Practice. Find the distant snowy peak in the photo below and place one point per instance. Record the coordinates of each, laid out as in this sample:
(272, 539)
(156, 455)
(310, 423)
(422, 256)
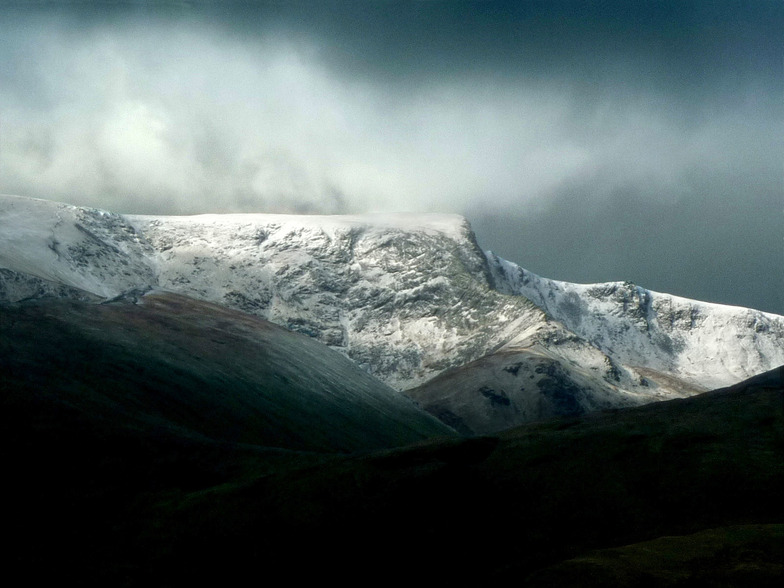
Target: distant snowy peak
(82, 248)
(702, 342)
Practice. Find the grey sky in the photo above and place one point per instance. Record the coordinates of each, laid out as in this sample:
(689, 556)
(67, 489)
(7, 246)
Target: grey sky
(586, 141)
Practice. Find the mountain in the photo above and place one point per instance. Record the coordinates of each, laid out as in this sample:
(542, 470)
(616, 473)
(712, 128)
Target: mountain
(707, 344)
(673, 345)
(158, 429)
(405, 297)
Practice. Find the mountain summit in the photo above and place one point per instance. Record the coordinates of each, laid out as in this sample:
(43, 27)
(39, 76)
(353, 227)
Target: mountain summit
(409, 298)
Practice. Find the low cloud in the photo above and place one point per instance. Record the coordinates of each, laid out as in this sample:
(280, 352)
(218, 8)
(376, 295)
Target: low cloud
(585, 149)
(191, 120)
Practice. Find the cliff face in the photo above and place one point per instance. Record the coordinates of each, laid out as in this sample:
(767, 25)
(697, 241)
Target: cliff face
(405, 297)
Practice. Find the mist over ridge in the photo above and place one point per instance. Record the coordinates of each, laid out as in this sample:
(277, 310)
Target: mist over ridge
(587, 144)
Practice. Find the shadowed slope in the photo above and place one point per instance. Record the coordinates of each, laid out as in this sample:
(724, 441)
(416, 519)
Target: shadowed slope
(521, 385)
(174, 363)
(493, 509)
(107, 410)
(738, 555)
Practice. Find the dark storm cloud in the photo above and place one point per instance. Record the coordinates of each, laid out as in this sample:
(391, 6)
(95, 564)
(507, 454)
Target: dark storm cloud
(682, 45)
(637, 139)
(726, 247)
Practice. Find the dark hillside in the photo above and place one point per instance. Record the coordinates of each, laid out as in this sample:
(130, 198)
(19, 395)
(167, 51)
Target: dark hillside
(172, 363)
(503, 508)
(100, 490)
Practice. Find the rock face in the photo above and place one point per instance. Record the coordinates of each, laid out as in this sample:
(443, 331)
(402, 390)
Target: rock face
(503, 389)
(548, 373)
(406, 297)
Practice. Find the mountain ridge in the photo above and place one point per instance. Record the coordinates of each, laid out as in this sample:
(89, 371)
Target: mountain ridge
(406, 297)
(667, 321)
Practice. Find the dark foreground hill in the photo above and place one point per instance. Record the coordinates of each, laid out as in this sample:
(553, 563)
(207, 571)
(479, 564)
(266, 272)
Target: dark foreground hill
(686, 492)
(196, 370)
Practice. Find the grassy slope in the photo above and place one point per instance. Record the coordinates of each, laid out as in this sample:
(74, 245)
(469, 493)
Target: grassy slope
(152, 506)
(208, 372)
(507, 507)
(737, 555)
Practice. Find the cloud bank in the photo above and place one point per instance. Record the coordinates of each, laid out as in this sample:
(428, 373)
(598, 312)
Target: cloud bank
(176, 116)
(540, 116)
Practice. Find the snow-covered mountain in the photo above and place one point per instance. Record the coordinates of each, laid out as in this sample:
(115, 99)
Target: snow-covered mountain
(709, 344)
(52, 248)
(406, 297)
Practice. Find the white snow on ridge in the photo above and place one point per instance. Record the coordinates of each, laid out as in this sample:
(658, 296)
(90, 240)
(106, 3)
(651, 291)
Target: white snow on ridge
(452, 226)
(711, 344)
(84, 248)
(400, 294)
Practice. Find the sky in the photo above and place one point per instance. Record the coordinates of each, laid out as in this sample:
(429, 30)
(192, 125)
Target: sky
(585, 141)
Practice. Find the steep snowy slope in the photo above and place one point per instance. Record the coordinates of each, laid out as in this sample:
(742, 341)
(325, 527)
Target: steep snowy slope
(706, 344)
(404, 296)
(47, 246)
